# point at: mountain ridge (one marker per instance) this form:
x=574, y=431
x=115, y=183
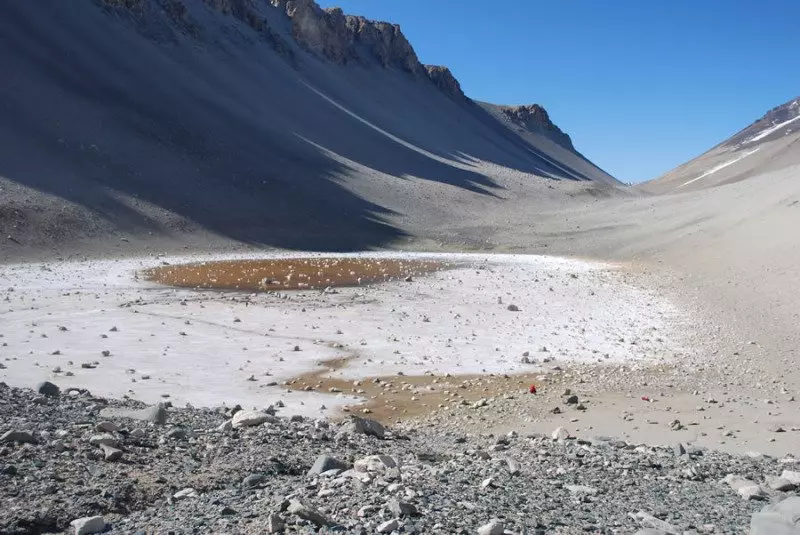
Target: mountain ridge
x=769, y=143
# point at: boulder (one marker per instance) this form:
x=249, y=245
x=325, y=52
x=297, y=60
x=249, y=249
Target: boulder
x=364, y=426
x=89, y=525
x=298, y=508
x=325, y=463
x=46, y=388
x=782, y=518
x=560, y=434
x=21, y=437
x=494, y=527
x=250, y=419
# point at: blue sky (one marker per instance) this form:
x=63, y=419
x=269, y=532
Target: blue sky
x=641, y=85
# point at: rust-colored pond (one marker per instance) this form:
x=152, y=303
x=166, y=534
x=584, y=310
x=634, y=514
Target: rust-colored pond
x=290, y=273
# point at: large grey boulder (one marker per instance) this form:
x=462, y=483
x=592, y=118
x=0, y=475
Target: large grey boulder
x=89, y=525
x=325, y=463
x=363, y=426
x=782, y=518
x=156, y=413
x=46, y=388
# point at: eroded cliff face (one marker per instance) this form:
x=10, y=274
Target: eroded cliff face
x=444, y=80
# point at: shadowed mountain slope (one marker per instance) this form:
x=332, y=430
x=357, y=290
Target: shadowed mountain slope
x=271, y=123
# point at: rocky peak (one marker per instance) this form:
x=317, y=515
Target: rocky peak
x=535, y=118
x=779, y=121
x=343, y=38
x=444, y=80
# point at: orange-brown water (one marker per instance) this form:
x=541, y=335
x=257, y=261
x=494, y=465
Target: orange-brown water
x=289, y=273
x=400, y=397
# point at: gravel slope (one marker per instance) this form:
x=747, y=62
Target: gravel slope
x=259, y=471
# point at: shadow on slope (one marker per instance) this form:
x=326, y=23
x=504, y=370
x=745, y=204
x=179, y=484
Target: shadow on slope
x=95, y=114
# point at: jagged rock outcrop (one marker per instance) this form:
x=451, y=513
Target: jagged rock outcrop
x=386, y=42
x=536, y=119
x=443, y=78
x=343, y=38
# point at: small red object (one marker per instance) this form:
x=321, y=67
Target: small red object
x=645, y=398
x=532, y=389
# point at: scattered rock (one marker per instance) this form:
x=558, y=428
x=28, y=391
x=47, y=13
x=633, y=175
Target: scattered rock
x=560, y=434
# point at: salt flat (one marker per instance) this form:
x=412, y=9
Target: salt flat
x=209, y=347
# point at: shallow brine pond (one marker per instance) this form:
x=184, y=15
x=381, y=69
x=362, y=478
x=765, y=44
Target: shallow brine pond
x=290, y=273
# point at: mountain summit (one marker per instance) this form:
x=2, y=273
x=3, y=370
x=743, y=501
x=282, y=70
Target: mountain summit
x=770, y=143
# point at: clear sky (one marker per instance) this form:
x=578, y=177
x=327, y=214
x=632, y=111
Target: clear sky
x=641, y=85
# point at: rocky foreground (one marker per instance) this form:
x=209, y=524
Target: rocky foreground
x=72, y=462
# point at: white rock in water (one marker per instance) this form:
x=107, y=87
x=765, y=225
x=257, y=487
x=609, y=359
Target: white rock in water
x=560, y=434
x=89, y=525
x=494, y=527
x=249, y=418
